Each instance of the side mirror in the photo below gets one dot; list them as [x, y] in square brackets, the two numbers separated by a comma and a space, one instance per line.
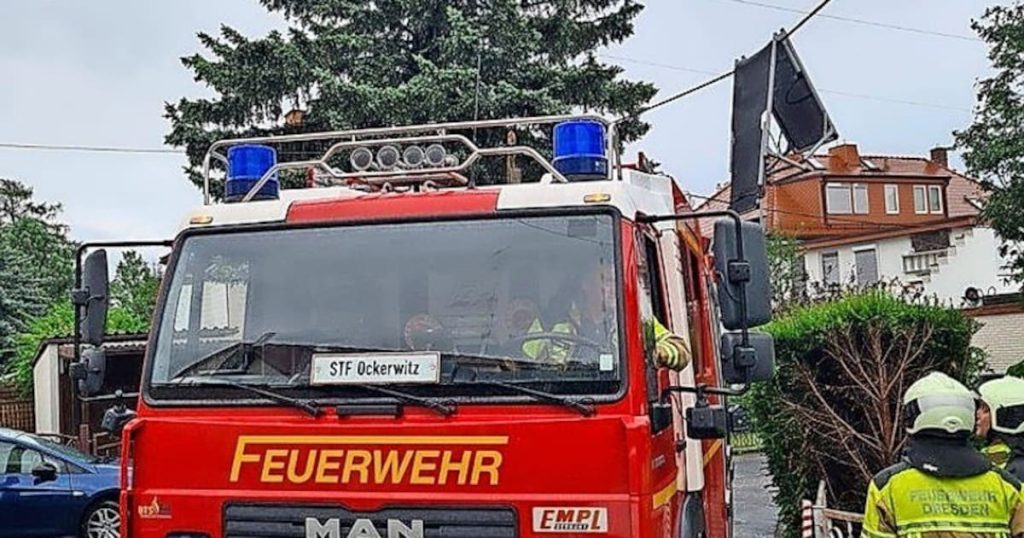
[661, 416]
[751, 271]
[93, 297]
[739, 422]
[742, 365]
[44, 472]
[91, 372]
[705, 421]
[115, 418]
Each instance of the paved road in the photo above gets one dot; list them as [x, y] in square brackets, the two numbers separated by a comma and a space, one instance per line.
[755, 513]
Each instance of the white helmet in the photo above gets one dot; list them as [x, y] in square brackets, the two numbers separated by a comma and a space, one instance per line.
[1005, 399]
[940, 403]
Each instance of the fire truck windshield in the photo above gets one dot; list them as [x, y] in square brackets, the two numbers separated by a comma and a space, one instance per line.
[528, 300]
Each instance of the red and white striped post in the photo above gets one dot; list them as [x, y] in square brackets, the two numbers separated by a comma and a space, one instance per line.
[806, 519]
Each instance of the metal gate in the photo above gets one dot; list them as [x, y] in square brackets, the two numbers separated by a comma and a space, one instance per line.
[820, 521]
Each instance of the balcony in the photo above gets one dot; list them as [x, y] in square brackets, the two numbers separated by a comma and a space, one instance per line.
[923, 263]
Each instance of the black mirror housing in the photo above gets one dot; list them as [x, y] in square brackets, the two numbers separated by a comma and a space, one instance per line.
[754, 363]
[115, 418]
[91, 371]
[93, 297]
[707, 422]
[661, 416]
[44, 472]
[739, 422]
[752, 272]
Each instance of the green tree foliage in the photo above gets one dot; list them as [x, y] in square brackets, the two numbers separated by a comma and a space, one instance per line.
[994, 144]
[135, 285]
[59, 322]
[832, 412]
[786, 269]
[354, 64]
[21, 298]
[1016, 370]
[30, 228]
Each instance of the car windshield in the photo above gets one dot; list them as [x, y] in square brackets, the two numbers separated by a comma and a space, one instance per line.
[66, 451]
[523, 299]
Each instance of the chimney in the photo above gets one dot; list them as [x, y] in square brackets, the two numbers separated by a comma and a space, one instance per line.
[940, 156]
[843, 158]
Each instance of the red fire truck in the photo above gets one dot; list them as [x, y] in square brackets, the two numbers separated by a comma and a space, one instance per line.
[437, 338]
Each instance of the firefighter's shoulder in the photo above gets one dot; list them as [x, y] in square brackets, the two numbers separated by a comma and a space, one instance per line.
[1008, 477]
[885, 475]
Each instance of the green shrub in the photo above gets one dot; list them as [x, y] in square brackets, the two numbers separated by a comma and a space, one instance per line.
[832, 411]
[1016, 370]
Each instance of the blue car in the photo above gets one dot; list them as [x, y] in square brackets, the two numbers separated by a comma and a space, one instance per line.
[51, 490]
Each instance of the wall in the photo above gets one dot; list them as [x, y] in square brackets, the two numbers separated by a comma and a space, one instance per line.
[974, 261]
[1000, 337]
[46, 391]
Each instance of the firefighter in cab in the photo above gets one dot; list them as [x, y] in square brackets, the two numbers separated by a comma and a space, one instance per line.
[943, 487]
[1001, 423]
[587, 321]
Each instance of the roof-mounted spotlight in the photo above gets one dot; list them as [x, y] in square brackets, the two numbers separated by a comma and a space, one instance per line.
[361, 159]
[387, 157]
[435, 155]
[412, 157]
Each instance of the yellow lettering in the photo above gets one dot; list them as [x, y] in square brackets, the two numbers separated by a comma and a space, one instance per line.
[270, 464]
[363, 467]
[383, 466]
[240, 458]
[486, 462]
[329, 460]
[294, 476]
[447, 466]
[419, 466]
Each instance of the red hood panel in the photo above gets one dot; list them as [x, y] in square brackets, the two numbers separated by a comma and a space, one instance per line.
[325, 457]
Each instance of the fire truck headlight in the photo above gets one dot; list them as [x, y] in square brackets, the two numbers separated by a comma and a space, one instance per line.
[413, 156]
[387, 157]
[361, 159]
[435, 155]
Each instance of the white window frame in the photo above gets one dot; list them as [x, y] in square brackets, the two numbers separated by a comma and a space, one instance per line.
[923, 209]
[849, 196]
[893, 209]
[853, 199]
[935, 210]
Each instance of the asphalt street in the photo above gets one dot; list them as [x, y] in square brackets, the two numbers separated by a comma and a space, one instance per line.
[754, 511]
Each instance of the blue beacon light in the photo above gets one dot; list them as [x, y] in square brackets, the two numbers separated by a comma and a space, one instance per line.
[246, 165]
[580, 150]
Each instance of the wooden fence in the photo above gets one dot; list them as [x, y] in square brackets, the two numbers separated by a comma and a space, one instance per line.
[16, 411]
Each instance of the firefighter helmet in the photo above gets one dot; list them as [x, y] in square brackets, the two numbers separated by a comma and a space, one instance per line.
[938, 402]
[1005, 400]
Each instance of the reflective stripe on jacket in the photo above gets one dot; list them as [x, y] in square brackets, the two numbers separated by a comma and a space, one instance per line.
[905, 502]
[998, 453]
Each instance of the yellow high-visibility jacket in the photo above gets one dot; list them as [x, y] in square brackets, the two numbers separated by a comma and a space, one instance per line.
[904, 502]
[671, 350]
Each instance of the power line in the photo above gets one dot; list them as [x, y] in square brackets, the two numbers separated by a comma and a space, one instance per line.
[95, 149]
[864, 22]
[715, 80]
[822, 90]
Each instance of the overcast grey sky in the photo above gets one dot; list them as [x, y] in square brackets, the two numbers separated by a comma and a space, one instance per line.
[98, 73]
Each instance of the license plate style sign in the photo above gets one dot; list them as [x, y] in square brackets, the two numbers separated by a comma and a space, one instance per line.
[375, 368]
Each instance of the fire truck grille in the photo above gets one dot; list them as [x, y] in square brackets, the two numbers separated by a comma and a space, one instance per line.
[327, 521]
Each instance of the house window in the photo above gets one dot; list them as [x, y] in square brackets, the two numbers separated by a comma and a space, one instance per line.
[860, 199]
[935, 199]
[838, 199]
[920, 203]
[866, 266]
[830, 268]
[892, 199]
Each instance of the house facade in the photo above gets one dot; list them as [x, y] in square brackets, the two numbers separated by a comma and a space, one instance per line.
[905, 220]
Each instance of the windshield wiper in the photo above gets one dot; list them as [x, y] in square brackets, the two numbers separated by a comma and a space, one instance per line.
[446, 409]
[585, 406]
[309, 406]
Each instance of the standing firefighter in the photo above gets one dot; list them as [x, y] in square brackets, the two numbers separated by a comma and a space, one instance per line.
[944, 488]
[1001, 423]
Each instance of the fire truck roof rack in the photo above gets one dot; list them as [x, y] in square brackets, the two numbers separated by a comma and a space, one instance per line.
[413, 165]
